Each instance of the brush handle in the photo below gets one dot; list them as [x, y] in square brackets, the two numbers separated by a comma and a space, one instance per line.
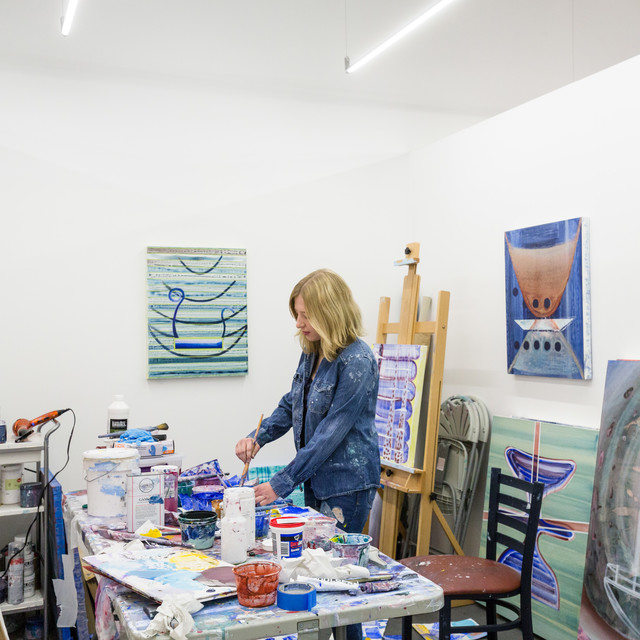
[245, 471]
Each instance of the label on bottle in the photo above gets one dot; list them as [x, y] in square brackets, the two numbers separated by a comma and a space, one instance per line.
[116, 425]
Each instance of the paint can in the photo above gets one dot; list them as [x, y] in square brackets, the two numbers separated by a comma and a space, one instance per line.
[318, 532]
[242, 501]
[15, 575]
[30, 494]
[171, 473]
[198, 528]
[257, 583]
[3, 431]
[33, 628]
[28, 555]
[353, 547]
[10, 480]
[106, 473]
[286, 536]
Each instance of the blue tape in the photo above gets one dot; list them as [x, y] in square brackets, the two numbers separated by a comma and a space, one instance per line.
[296, 596]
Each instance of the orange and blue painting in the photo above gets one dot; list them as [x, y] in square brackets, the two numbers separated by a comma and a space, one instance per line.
[563, 458]
[196, 312]
[611, 599]
[547, 283]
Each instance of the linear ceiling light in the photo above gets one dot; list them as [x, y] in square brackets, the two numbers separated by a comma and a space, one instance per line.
[429, 13]
[67, 18]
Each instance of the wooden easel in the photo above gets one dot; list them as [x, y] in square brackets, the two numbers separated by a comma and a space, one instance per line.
[395, 481]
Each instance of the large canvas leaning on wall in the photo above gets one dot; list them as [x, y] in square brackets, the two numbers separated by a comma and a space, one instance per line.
[547, 284]
[563, 458]
[196, 312]
[611, 599]
[402, 373]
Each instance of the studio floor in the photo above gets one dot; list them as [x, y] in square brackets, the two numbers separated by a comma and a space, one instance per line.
[471, 611]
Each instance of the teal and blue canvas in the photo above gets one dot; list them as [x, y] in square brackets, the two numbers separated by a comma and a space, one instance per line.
[563, 457]
[547, 288]
[611, 602]
[196, 312]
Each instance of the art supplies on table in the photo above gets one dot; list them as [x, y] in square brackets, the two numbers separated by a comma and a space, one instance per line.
[145, 499]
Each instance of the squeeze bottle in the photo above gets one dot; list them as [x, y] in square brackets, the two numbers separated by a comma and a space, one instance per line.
[118, 414]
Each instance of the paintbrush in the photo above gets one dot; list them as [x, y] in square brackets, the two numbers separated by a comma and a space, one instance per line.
[161, 427]
[245, 471]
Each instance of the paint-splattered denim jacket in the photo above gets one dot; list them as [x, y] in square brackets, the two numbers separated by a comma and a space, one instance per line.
[340, 454]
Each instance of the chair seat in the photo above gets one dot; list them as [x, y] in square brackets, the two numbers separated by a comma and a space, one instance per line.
[466, 576]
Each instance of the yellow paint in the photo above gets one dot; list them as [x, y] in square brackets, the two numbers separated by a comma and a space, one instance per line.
[191, 561]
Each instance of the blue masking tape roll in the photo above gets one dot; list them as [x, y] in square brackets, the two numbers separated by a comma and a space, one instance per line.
[296, 596]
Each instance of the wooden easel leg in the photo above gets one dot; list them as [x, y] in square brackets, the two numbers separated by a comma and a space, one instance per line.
[389, 521]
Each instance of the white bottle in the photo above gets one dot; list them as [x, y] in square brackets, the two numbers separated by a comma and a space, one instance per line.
[233, 541]
[118, 413]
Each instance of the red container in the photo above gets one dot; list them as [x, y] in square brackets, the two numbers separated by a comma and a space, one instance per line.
[257, 583]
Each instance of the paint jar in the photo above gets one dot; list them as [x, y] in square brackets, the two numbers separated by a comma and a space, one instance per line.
[106, 473]
[171, 473]
[242, 501]
[3, 590]
[318, 532]
[15, 575]
[10, 480]
[33, 628]
[233, 542]
[263, 519]
[198, 528]
[286, 536]
[257, 583]
[28, 555]
[30, 493]
[3, 431]
[353, 547]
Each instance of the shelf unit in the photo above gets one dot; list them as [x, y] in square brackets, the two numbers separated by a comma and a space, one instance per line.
[30, 453]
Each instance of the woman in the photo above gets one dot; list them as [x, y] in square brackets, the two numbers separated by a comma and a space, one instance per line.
[331, 408]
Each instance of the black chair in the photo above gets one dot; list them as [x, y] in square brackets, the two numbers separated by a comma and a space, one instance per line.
[514, 511]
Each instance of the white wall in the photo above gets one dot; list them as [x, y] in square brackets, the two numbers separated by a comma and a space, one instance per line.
[72, 253]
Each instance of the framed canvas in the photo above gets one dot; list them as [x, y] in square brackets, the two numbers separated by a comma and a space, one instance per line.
[196, 312]
[402, 372]
[547, 284]
[611, 600]
[563, 457]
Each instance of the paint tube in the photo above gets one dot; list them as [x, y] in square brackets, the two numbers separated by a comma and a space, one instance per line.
[329, 584]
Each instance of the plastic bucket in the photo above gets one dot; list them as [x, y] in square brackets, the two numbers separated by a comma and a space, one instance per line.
[318, 532]
[286, 536]
[353, 547]
[10, 479]
[106, 473]
[257, 583]
[198, 528]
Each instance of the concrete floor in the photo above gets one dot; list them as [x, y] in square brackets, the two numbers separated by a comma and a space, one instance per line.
[459, 613]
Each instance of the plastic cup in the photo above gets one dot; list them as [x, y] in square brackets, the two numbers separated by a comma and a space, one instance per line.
[257, 583]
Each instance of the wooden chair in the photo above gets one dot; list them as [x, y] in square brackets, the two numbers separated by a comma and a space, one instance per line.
[514, 511]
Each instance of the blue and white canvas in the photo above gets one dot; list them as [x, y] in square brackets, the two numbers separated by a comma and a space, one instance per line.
[196, 312]
[547, 285]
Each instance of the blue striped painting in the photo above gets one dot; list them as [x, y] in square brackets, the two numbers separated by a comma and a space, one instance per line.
[548, 300]
[196, 312]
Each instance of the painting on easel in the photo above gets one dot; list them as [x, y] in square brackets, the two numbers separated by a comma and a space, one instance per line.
[563, 458]
[548, 300]
[611, 598]
[196, 312]
[402, 371]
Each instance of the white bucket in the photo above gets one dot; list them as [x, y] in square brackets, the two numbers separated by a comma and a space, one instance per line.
[10, 480]
[106, 473]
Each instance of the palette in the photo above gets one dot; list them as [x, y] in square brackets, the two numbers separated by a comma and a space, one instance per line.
[162, 572]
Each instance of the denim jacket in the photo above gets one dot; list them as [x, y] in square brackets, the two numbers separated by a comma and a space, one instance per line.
[340, 454]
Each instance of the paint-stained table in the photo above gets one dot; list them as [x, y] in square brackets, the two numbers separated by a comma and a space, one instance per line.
[228, 620]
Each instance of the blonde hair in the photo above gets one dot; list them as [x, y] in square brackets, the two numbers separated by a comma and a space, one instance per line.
[330, 309]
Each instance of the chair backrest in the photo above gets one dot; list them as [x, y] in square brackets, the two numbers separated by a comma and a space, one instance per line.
[514, 513]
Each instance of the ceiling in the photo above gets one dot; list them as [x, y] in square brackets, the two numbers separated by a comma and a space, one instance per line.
[475, 58]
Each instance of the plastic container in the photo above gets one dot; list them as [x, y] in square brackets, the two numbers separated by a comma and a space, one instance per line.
[353, 547]
[10, 481]
[30, 494]
[198, 528]
[171, 473]
[15, 575]
[242, 501]
[286, 536]
[106, 473]
[118, 415]
[233, 543]
[257, 583]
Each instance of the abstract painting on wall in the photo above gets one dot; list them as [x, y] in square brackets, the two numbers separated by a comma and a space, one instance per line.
[611, 599]
[547, 284]
[402, 371]
[562, 457]
[196, 312]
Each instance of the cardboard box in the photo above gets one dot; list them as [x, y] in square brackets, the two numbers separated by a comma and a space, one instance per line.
[149, 449]
[145, 499]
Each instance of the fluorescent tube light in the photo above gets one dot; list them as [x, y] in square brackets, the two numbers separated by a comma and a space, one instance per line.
[429, 13]
[67, 19]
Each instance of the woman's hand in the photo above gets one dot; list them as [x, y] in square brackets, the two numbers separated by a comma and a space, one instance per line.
[246, 449]
[264, 494]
